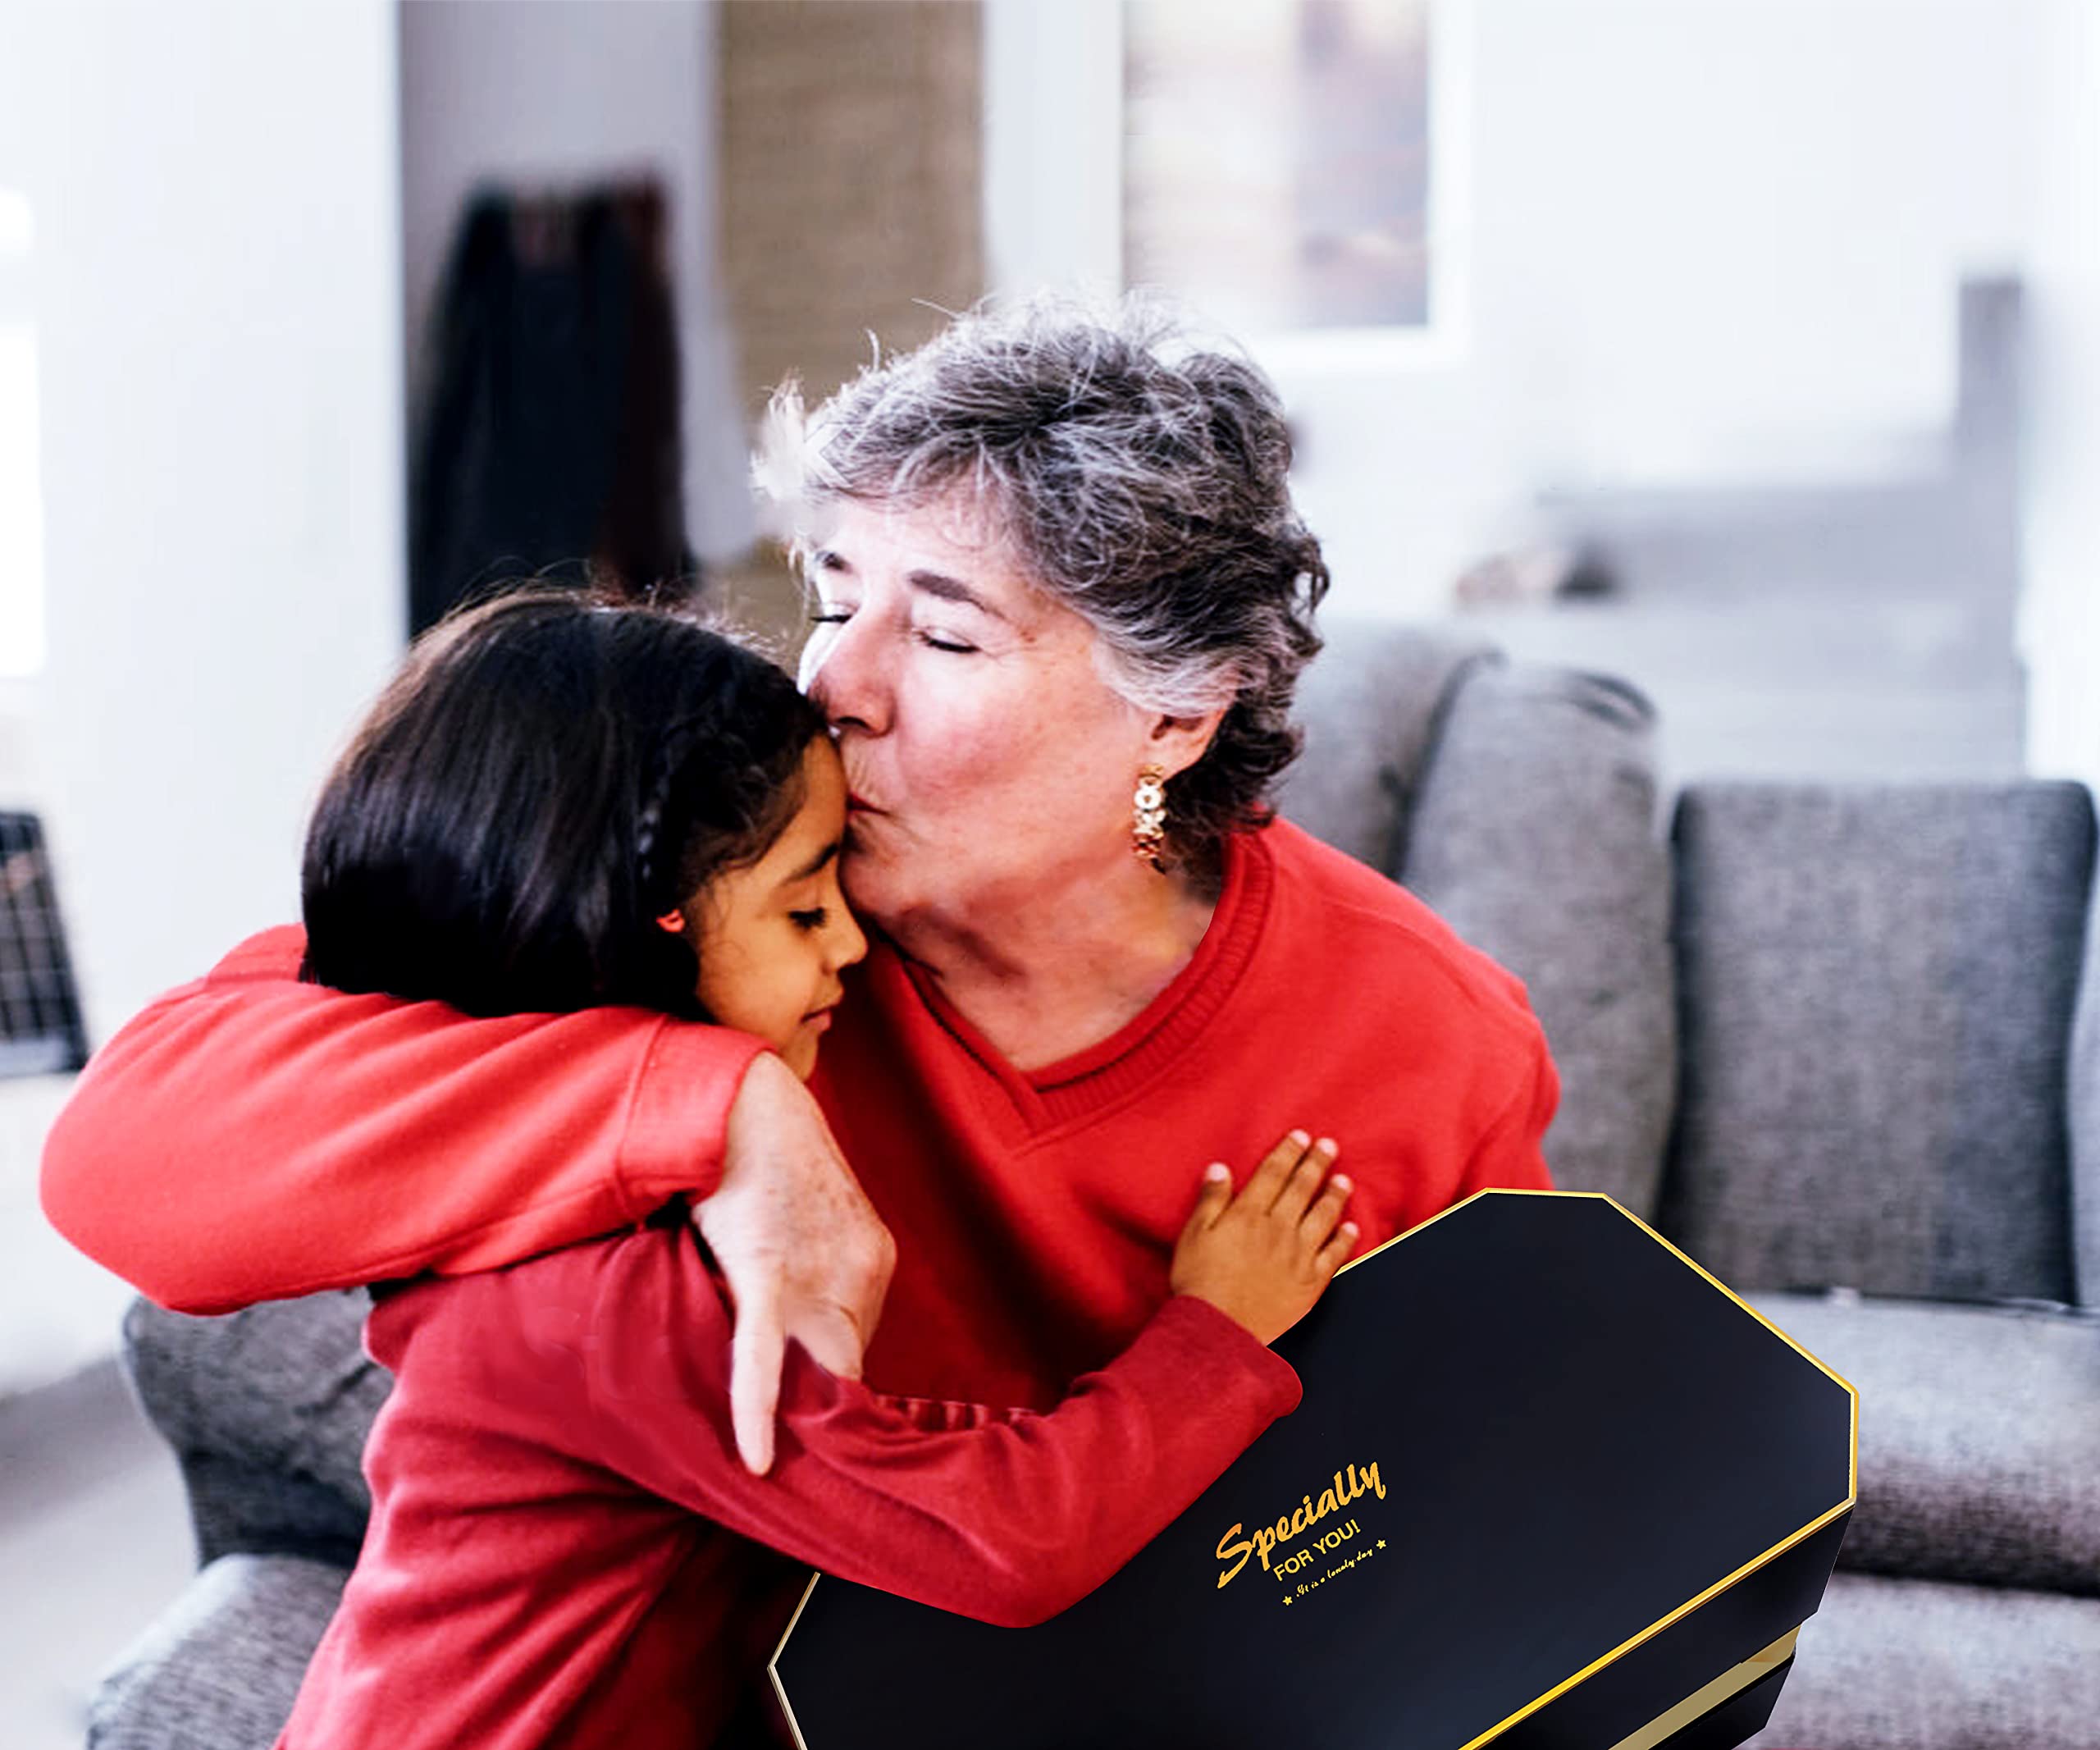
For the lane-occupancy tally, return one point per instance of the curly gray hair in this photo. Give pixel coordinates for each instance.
(1140, 479)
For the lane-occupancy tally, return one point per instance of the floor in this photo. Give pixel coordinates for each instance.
(94, 1540)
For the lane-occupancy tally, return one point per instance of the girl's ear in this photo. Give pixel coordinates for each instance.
(1178, 742)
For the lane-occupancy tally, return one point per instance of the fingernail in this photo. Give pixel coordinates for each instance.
(1351, 1229)
(1327, 1146)
(1341, 1182)
(1301, 1139)
(1217, 1171)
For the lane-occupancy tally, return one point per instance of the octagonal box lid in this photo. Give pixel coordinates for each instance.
(1606, 1493)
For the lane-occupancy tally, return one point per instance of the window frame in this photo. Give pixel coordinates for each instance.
(1053, 181)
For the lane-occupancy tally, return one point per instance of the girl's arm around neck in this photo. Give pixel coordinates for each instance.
(249, 1137)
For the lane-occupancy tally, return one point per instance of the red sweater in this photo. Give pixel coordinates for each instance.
(248, 1136)
(548, 1564)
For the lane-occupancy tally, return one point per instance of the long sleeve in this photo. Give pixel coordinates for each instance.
(250, 1137)
(1009, 1517)
(1511, 1153)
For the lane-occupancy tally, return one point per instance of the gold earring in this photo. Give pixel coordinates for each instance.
(1148, 816)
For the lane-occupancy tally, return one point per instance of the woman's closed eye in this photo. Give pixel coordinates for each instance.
(815, 918)
(938, 639)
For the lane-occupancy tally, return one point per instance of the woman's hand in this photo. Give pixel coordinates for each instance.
(801, 1247)
(1264, 1257)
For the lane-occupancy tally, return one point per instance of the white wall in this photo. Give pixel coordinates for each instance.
(1708, 241)
(1711, 242)
(217, 291)
(557, 93)
(2061, 617)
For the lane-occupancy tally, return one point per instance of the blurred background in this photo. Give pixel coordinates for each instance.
(1748, 348)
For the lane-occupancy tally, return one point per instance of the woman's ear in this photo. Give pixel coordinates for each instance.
(1178, 742)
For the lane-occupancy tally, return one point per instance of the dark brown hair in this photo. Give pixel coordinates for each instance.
(548, 774)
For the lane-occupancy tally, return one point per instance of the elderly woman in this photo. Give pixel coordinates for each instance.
(1062, 599)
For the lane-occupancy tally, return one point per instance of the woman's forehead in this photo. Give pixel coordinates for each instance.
(956, 532)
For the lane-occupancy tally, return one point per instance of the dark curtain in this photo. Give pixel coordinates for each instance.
(547, 442)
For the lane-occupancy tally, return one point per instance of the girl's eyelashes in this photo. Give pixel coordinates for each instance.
(815, 918)
(831, 616)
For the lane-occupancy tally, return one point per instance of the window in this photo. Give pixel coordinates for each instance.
(1276, 159)
(1293, 169)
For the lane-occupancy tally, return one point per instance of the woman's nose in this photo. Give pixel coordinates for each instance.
(844, 675)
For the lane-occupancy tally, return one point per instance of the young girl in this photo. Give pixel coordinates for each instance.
(561, 803)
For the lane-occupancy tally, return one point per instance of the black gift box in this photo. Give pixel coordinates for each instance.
(1552, 1486)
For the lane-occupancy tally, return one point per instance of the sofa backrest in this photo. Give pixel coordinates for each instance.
(1876, 989)
(1519, 803)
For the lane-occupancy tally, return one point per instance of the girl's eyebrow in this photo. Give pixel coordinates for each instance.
(813, 865)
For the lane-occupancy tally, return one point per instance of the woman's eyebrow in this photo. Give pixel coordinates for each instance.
(935, 583)
(952, 589)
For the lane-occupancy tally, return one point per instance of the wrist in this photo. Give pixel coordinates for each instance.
(681, 1105)
(1221, 1306)
(1208, 1330)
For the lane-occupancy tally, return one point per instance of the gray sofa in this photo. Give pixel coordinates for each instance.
(1831, 1041)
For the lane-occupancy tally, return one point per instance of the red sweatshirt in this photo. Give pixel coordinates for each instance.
(552, 1475)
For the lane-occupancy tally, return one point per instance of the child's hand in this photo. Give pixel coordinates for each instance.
(1264, 1257)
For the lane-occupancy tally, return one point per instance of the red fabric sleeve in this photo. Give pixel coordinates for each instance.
(1511, 1153)
(249, 1137)
(1007, 1516)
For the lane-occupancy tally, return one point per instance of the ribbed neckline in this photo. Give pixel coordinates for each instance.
(1103, 1075)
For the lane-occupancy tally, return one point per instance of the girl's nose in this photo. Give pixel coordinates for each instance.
(845, 943)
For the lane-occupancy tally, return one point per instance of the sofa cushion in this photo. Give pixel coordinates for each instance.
(1533, 834)
(1979, 1436)
(1519, 801)
(1918, 1665)
(1370, 705)
(221, 1667)
(1875, 990)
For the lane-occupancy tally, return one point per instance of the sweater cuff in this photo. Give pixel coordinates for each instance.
(678, 1114)
(1212, 1338)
